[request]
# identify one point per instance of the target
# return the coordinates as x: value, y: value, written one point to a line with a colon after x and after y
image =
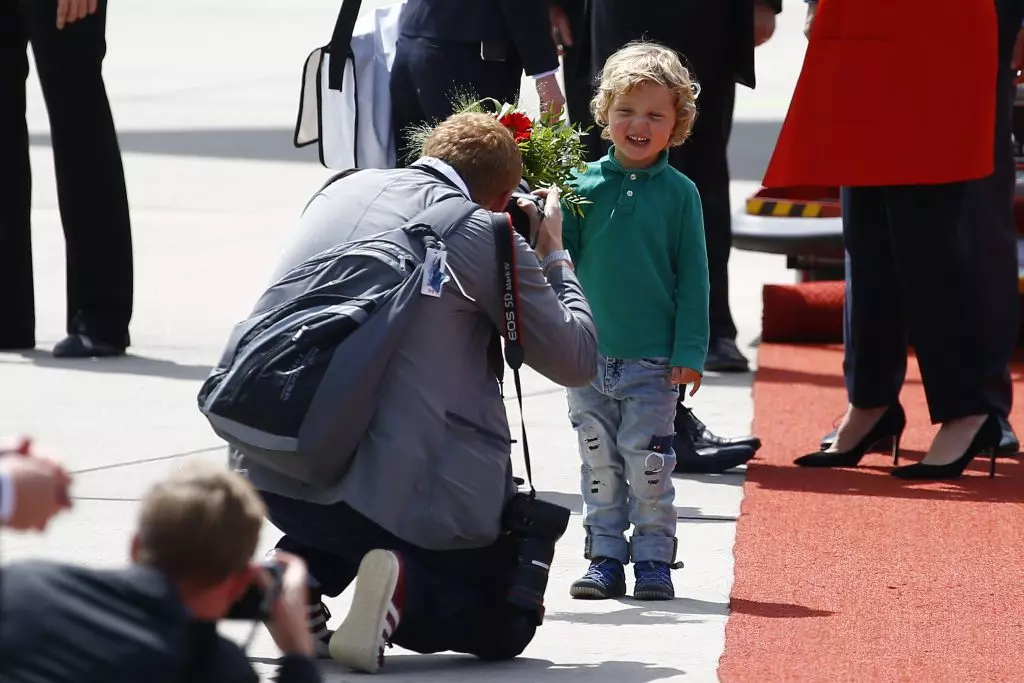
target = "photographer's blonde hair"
x: 200, y: 525
x: 646, y: 62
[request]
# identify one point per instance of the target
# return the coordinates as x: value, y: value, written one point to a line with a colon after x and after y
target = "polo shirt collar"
x: 654, y: 169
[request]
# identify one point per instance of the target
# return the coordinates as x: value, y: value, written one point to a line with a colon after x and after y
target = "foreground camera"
x: 535, y: 526
x: 256, y: 603
x: 520, y: 221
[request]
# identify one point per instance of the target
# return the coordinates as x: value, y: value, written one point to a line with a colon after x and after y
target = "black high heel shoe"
x: 985, y: 441
x: 889, y: 426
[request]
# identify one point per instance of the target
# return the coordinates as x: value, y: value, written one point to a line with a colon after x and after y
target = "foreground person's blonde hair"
x: 481, y: 150
x: 643, y: 62
x: 200, y: 525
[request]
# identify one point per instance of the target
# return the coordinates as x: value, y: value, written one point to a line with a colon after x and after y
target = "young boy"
x: 641, y: 259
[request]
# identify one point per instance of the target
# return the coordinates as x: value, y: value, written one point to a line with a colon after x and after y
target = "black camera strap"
x: 511, y: 329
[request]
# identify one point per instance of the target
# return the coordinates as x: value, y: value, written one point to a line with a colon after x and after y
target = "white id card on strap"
x: 434, y: 275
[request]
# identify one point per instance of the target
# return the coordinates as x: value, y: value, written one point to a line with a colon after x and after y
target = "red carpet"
x: 853, y: 575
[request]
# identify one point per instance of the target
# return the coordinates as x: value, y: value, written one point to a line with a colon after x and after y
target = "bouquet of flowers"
x: 552, y: 149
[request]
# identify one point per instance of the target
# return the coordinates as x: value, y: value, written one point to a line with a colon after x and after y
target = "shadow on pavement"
x: 638, y: 613
x: 574, y: 502
x: 750, y: 147
x: 126, y: 365
x: 467, y: 668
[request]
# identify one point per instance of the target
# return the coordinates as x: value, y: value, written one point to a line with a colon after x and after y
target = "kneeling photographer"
x: 156, y: 621
x: 445, y: 553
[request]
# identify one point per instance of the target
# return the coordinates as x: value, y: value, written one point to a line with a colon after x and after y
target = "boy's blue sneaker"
x: 605, y: 579
x: 653, y: 581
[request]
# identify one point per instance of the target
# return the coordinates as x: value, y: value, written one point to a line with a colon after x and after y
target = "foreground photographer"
x: 446, y: 555
x: 156, y: 621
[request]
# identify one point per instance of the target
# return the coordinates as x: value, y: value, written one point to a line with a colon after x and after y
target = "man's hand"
x: 287, y: 623
x: 812, y: 9
x: 40, y: 486
x: 764, y: 22
x: 683, y: 376
x: 547, y: 228
x: 561, y: 31
x: 550, y: 95
x: 70, y: 11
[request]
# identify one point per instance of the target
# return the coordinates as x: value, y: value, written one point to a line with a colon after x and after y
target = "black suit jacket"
x: 717, y: 36
x: 522, y: 25
x: 67, y: 624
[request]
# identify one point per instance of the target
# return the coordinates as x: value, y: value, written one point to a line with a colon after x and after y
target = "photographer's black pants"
x: 454, y: 600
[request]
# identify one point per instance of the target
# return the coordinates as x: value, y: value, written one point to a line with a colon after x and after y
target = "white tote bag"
x: 345, y: 102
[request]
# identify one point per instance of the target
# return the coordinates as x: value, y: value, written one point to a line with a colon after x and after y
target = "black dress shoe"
x: 703, y: 437
x: 725, y: 356
x: 711, y: 460
x: 1009, y: 444
x: 81, y: 346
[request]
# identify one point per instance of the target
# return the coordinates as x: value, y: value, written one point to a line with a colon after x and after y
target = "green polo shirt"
x: 641, y: 259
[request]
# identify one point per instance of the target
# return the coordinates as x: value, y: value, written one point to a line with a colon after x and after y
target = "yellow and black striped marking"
x: 788, y: 209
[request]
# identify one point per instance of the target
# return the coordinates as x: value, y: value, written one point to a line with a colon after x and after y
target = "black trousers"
x: 940, y: 263
x: 428, y: 75
x: 699, y: 31
x: 454, y: 600
x: 90, y: 178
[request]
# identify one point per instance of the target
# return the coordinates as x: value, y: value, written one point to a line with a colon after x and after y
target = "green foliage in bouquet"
x: 552, y: 149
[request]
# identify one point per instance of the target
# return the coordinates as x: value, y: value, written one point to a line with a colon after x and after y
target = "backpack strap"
x: 440, y: 219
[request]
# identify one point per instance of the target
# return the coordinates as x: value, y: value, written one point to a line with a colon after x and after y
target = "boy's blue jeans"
x: 625, y: 423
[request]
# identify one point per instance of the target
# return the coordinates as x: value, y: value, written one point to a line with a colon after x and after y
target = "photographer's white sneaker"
x: 375, y: 614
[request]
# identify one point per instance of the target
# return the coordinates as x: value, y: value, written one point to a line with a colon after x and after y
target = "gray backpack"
x: 294, y: 389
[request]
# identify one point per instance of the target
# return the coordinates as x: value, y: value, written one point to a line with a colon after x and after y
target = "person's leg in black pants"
x: 875, y: 325
x: 453, y: 600
x: 90, y: 177
x: 427, y: 77
x: 17, y: 306
x: 578, y: 75
x: 703, y: 158
x: 942, y: 295
x: 875, y: 332
x: 988, y: 217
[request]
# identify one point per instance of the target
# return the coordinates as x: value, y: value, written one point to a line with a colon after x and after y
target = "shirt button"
x: 632, y: 176
x: 629, y: 193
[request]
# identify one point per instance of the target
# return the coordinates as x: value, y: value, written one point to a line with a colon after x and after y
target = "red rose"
x: 519, y: 124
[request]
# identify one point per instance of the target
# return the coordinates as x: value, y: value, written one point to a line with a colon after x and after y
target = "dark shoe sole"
x: 751, y: 442
x: 591, y: 592
x: 727, y: 366
x: 715, y: 460
x: 653, y: 594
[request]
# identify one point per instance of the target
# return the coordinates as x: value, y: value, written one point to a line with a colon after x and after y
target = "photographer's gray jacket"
x: 434, y: 468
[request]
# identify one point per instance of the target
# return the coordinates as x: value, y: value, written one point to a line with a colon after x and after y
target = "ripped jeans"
x: 624, y: 420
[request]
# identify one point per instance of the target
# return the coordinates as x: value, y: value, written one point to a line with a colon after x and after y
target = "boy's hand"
x: 686, y: 376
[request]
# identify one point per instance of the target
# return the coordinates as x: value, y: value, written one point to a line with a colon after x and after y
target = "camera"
x: 257, y: 601
x: 520, y: 220
x: 534, y: 526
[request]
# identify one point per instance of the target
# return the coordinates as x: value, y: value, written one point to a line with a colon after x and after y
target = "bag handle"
x: 511, y: 331
x: 341, y: 42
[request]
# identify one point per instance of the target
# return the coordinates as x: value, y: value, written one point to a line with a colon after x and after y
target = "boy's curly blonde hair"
x: 647, y: 62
